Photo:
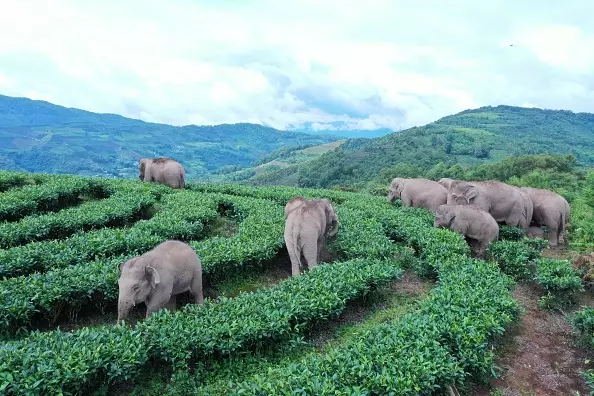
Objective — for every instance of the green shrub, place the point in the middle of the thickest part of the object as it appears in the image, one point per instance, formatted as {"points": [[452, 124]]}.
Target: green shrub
{"points": [[559, 279], [57, 192]]}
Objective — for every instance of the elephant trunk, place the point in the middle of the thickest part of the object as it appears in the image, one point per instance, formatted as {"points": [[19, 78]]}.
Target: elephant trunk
{"points": [[124, 308]]}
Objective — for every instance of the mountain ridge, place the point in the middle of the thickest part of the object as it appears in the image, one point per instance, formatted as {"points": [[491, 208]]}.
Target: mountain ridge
{"points": [[471, 137], [41, 136]]}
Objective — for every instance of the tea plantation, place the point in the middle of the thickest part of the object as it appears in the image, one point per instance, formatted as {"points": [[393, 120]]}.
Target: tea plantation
{"points": [[62, 238]]}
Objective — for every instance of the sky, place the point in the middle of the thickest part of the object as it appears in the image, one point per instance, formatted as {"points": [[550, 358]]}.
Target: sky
{"points": [[291, 64]]}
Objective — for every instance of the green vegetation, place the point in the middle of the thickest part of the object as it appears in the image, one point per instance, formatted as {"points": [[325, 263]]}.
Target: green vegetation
{"points": [[462, 140], [38, 136]]}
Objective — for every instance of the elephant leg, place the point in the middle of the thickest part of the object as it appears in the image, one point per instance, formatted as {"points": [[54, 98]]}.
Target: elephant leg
{"points": [[158, 301], [295, 257], [406, 201], [310, 252], [196, 287], [171, 305]]}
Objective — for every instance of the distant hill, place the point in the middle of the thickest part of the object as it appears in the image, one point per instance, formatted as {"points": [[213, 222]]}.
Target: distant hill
{"points": [[471, 137], [39, 136]]}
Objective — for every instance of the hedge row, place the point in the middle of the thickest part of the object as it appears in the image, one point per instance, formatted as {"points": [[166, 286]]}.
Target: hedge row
{"points": [[55, 362], [259, 237], [119, 209], [277, 194], [583, 323], [436, 346], [182, 216], [11, 179], [56, 192]]}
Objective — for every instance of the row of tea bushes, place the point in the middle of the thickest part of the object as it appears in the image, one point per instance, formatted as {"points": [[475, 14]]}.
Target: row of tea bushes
{"points": [[12, 179], [447, 338], [182, 216], [259, 237], [55, 193], [117, 210], [57, 362]]}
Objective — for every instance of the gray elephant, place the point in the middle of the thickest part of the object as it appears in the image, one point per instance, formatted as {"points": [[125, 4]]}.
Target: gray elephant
{"points": [[446, 182], [158, 276], [163, 171], [474, 223], [551, 210], [535, 232], [506, 203], [307, 225], [418, 193]]}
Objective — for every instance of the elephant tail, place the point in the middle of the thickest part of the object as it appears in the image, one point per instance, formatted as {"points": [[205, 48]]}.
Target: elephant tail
{"points": [[182, 180]]}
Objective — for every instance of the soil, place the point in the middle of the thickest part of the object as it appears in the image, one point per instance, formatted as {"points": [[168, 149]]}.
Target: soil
{"points": [[539, 355]]}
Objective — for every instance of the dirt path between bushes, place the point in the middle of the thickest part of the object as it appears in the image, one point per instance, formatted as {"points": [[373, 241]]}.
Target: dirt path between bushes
{"points": [[538, 355]]}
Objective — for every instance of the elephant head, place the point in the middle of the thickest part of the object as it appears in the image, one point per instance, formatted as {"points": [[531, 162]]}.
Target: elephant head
{"points": [[446, 182], [293, 204], [444, 216], [142, 167], [331, 218], [137, 282], [462, 193], [395, 189]]}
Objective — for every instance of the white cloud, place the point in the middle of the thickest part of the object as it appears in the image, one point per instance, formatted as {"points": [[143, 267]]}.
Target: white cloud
{"points": [[371, 64]]}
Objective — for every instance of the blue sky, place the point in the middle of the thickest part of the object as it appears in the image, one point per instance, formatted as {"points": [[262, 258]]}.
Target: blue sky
{"points": [[359, 64]]}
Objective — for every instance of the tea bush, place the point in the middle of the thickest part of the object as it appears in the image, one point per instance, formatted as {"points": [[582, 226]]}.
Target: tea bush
{"points": [[109, 353], [259, 237], [114, 211], [57, 192], [559, 279], [446, 338], [182, 216]]}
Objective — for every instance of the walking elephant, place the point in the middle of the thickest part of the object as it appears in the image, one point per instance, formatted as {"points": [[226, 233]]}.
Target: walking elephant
{"points": [[474, 223], [551, 210], [507, 204], [307, 225], [163, 171], [418, 193], [158, 276]]}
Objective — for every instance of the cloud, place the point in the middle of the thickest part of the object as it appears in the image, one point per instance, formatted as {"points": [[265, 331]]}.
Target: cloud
{"points": [[323, 64]]}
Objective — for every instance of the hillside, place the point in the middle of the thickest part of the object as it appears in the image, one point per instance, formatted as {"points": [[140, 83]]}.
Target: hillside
{"points": [[282, 164], [38, 136], [471, 137]]}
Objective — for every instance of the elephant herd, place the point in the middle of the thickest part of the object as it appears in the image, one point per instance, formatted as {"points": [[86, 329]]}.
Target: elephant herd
{"points": [[470, 208], [475, 208]]}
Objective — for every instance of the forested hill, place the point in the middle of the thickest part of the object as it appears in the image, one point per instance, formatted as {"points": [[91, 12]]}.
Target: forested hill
{"points": [[38, 136], [468, 138]]}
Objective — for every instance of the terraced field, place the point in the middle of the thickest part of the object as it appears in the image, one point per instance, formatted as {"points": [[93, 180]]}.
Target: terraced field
{"points": [[63, 238]]}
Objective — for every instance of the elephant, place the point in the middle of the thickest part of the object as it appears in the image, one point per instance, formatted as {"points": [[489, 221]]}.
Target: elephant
{"points": [[308, 223], [535, 232], [551, 210], [506, 203], [471, 221], [418, 193], [446, 182], [158, 276], [163, 171]]}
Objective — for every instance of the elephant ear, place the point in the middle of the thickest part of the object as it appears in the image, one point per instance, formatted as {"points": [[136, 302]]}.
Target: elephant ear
{"points": [[142, 167], [152, 275], [470, 192], [449, 216], [120, 265], [331, 218]]}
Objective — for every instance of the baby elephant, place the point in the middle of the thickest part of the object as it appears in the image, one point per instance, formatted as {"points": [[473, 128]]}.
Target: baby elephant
{"points": [[157, 276], [308, 222], [474, 223]]}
